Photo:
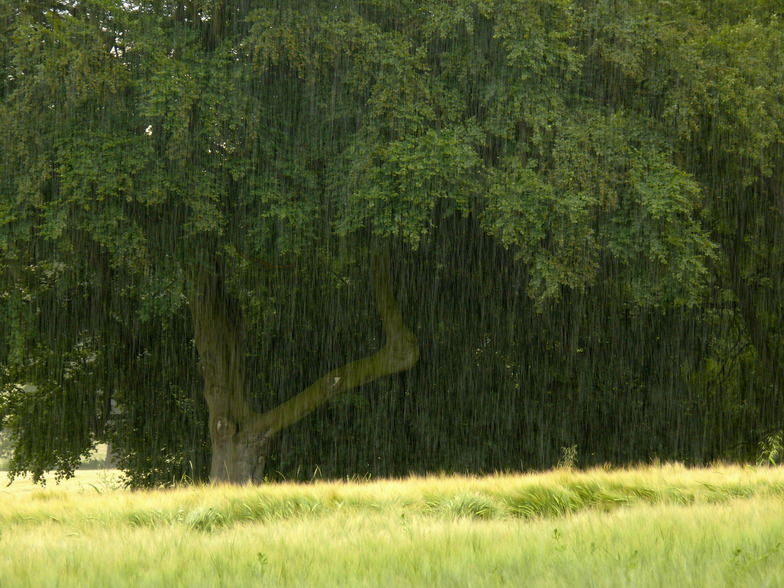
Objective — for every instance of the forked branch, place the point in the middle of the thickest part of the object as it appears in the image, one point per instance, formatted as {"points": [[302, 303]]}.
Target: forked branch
{"points": [[400, 352]]}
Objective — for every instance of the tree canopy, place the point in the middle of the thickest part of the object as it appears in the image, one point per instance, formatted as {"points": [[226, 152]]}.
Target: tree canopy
{"points": [[554, 190]]}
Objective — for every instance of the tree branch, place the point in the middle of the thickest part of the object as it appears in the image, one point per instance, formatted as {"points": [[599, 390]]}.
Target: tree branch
{"points": [[400, 352]]}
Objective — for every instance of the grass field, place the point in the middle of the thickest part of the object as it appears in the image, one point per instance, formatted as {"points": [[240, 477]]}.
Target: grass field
{"points": [[652, 526]]}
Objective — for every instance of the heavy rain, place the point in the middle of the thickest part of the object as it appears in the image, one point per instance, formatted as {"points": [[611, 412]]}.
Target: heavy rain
{"points": [[262, 240]]}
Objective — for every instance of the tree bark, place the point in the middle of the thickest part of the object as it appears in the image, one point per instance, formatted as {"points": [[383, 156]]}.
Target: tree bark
{"points": [[240, 437]]}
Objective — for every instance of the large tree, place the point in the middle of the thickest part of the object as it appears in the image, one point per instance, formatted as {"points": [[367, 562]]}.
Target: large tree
{"points": [[202, 163]]}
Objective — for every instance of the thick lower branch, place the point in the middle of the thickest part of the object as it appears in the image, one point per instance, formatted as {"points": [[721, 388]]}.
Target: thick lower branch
{"points": [[400, 352]]}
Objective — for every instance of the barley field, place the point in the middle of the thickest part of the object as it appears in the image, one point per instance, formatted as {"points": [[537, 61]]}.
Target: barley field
{"points": [[650, 526]]}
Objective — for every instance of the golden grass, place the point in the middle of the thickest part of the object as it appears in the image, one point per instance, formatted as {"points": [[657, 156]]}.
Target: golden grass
{"points": [[548, 494], [649, 526]]}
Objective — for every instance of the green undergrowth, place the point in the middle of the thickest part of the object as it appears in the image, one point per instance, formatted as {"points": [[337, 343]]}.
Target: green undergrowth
{"points": [[500, 497]]}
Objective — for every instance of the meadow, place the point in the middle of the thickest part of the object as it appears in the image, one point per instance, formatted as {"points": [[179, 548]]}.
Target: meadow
{"points": [[660, 525]]}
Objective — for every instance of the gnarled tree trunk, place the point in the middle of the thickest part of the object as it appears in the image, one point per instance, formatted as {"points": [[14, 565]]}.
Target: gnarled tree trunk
{"points": [[241, 437]]}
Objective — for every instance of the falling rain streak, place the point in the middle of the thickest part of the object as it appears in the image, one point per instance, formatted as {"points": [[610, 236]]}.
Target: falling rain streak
{"points": [[251, 240]]}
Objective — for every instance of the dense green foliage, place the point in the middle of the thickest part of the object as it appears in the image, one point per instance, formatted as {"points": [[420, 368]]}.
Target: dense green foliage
{"points": [[582, 200]]}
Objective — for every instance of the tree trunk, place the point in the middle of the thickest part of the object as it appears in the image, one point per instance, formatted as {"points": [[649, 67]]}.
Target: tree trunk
{"points": [[241, 437], [219, 340]]}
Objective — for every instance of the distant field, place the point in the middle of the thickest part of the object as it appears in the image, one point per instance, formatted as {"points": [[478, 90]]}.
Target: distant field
{"points": [[83, 481], [653, 526]]}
